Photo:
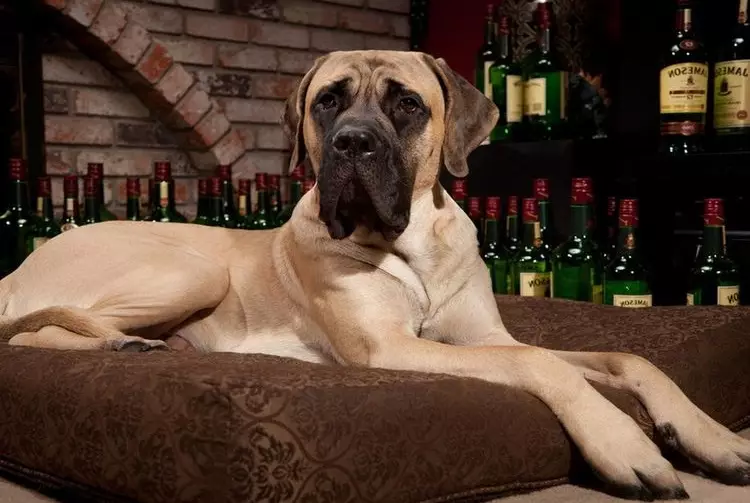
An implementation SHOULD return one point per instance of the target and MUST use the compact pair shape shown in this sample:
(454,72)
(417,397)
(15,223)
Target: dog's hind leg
(682,425)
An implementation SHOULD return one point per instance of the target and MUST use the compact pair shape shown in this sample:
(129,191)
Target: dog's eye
(327,101)
(408,105)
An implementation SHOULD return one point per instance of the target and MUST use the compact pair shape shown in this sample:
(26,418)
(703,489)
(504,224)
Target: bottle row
(609,269)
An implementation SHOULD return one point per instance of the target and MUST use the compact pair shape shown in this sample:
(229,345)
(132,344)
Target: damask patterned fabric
(156,427)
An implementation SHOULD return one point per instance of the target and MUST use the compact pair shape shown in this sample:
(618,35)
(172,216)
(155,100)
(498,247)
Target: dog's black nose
(355,141)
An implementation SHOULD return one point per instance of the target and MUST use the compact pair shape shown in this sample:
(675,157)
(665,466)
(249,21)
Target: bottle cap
(530,210)
(202,187)
(44,186)
(458,188)
(307,185)
(260,181)
(18,170)
(492,208)
(581,191)
(274,181)
(298,173)
(503,25)
(90,186)
(133,185)
(223,171)
(541,189)
(513,206)
(96,169)
(162,171)
(628,213)
(543,15)
(713,211)
(474,207)
(215,183)
(243,186)
(70,185)
(490,10)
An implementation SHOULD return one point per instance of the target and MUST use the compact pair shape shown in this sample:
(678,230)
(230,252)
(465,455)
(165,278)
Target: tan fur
(422,302)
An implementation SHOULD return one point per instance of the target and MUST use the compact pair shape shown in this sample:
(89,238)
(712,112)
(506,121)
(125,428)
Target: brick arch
(104,31)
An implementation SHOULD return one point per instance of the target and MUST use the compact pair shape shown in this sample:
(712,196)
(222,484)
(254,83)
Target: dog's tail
(72,319)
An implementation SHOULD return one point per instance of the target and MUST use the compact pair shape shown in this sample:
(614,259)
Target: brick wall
(248,55)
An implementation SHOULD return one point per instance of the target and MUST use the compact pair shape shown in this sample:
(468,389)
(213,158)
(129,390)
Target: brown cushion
(243,428)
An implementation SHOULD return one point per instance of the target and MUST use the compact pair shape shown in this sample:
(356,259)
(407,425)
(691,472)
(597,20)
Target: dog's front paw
(138,345)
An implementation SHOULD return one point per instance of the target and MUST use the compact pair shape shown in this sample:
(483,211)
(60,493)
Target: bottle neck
(164,195)
(44,208)
(626,241)
(532,234)
(544,40)
(295,192)
(243,200)
(134,208)
(18,196)
(70,207)
(491,234)
(228,196)
(714,240)
(511,227)
(216,206)
(544,215)
(684,21)
(100,192)
(262,202)
(580,216)
(489,33)
(503,46)
(91,207)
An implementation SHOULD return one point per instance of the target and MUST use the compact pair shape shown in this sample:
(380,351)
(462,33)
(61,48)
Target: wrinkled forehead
(370,73)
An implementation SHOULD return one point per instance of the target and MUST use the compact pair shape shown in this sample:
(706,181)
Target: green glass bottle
(507,87)
(71,217)
(261,217)
(576,266)
(202,213)
(91,211)
(715,279)
(44,226)
(458,192)
(224,172)
(512,242)
(626,277)
(541,193)
(133,194)
(96,170)
(16,221)
(162,196)
(244,213)
(475,214)
(295,194)
(494,253)
(487,54)
(545,85)
(275,202)
(151,203)
(216,203)
(608,243)
(531,267)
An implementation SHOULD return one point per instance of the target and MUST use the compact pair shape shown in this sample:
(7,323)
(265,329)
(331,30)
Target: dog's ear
(469,116)
(294,116)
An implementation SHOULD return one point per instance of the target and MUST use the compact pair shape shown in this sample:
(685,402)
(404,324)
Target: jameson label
(163,194)
(242,205)
(732,94)
(38,242)
(690,301)
(514,98)
(535,97)
(683,88)
(728,295)
(535,284)
(632,300)
(597,294)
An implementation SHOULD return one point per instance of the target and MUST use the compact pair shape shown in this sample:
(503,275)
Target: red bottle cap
(96,169)
(611,206)
(260,181)
(503,25)
(581,191)
(44,186)
(543,15)
(162,171)
(530,210)
(513,206)
(274,181)
(243,186)
(458,188)
(133,186)
(490,10)
(713,211)
(70,185)
(223,171)
(628,213)
(215,183)
(298,173)
(202,187)
(474,207)
(90,186)
(18,169)
(541,189)
(492,208)
(307,185)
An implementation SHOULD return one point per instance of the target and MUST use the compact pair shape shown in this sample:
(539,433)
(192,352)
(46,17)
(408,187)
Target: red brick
(260,111)
(56,100)
(132,43)
(247,58)
(271,138)
(212,127)
(109,23)
(59,162)
(273,86)
(298,62)
(244,168)
(198,4)
(77,130)
(175,83)
(265,33)
(192,107)
(225,84)
(305,12)
(155,19)
(77,71)
(229,148)
(401,6)
(155,63)
(328,40)
(364,20)
(219,27)
(84,11)
(192,51)
(90,101)
(57,4)
(184,191)
(247,135)
(400,26)
(133,162)
(265,9)
(270,162)
(144,134)
(386,43)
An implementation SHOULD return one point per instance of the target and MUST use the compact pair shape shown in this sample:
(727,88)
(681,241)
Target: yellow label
(742,16)
(728,295)
(535,284)
(242,205)
(732,94)
(514,98)
(163,194)
(38,242)
(70,205)
(690,300)
(683,88)
(597,294)
(535,97)
(487,82)
(40,206)
(632,300)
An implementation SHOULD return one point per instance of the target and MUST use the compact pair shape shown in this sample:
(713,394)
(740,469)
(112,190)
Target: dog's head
(376,126)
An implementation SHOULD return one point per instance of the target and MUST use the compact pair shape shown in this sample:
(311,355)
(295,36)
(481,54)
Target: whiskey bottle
(715,279)
(96,170)
(531,266)
(541,193)
(133,190)
(609,242)
(545,85)
(512,243)
(295,194)
(224,172)
(487,54)
(274,197)
(626,277)
(16,221)
(216,205)
(91,211)
(261,216)
(244,218)
(683,88)
(475,214)
(458,192)
(44,226)
(71,210)
(731,87)
(494,254)
(507,87)
(162,196)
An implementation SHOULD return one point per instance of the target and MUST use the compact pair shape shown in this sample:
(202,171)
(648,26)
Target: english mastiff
(377,267)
